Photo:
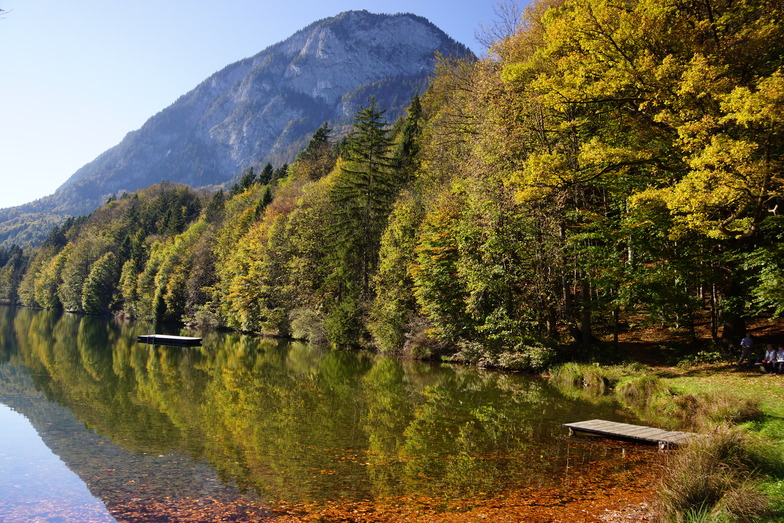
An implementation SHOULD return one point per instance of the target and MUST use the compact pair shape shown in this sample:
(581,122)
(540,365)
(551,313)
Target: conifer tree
(364,193)
(407,148)
(319,157)
(266,174)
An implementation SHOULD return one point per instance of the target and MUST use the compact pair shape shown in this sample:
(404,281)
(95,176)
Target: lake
(95,426)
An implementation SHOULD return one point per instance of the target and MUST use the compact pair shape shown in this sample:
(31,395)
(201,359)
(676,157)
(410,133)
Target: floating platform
(637,433)
(165,339)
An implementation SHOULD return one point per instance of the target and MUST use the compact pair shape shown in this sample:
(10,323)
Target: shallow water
(255,427)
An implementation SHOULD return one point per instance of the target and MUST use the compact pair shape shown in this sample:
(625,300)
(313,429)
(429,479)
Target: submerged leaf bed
(595,490)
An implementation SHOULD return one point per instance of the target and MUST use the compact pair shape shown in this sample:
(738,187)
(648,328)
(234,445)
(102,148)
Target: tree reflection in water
(294,425)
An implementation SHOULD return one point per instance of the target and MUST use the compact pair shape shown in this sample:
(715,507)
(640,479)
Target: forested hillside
(606,161)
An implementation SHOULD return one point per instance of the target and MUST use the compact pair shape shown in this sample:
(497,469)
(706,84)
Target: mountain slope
(261,109)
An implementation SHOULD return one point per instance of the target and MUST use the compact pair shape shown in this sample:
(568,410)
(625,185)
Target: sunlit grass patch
(774,489)
(766,389)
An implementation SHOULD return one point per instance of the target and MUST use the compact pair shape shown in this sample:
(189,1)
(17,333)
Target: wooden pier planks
(165,339)
(611,429)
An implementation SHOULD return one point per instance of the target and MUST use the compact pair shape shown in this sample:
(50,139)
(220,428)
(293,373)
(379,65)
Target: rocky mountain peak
(264,108)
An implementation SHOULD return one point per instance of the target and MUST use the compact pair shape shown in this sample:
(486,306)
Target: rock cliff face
(263,109)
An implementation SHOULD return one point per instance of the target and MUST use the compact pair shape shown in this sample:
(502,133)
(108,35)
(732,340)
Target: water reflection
(287,423)
(28,469)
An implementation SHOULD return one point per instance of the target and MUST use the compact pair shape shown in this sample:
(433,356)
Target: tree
(13,262)
(266,174)
(100,285)
(280,173)
(215,208)
(394,304)
(651,106)
(48,280)
(363,194)
(406,154)
(437,286)
(318,158)
(509,17)
(245,182)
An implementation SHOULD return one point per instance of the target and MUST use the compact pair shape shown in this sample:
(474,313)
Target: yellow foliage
(763,106)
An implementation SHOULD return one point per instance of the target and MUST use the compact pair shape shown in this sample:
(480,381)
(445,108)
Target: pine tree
(364,193)
(319,157)
(266,174)
(407,147)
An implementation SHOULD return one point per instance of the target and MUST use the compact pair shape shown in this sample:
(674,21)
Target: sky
(76,77)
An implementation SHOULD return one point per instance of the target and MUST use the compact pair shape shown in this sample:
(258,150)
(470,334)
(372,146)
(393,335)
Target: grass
(767,389)
(718,478)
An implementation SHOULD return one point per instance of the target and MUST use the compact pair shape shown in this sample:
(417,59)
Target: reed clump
(582,376)
(642,391)
(716,477)
(706,411)
(596,379)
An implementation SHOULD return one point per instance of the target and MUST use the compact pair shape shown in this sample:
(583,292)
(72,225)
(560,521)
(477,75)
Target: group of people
(772,361)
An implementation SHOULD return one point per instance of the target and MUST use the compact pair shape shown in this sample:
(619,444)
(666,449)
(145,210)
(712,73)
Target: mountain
(258,110)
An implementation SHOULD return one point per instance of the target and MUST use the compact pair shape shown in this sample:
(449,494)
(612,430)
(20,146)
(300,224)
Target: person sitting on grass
(769,361)
(779,367)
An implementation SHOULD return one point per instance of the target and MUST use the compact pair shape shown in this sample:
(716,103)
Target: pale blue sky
(75,77)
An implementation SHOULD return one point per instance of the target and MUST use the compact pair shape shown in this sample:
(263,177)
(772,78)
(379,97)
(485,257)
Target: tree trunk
(585,320)
(616,313)
(734,328)
(714,314)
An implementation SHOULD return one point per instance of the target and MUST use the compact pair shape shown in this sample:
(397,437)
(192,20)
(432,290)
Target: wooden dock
(165,339)
(623,431)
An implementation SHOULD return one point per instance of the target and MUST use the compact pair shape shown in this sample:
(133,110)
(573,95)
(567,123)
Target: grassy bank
(735,474)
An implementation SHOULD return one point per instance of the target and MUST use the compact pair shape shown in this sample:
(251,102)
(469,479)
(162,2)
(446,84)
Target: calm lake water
(95,426)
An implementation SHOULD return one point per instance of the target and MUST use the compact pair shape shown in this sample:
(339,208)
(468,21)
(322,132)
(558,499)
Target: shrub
(702,358)
(528,355)
(711,409)
(420,344)
(711,479)
(307,324)
(204,318)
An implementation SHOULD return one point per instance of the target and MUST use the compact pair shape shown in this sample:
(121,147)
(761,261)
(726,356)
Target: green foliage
(48,280)
(307,324)
(408,145)
(319,157)
(436,281)
(100,285)
(361,197)
(13,262)
(344,322)
(528,355)
(394,304)
(606,161)
(701,358)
